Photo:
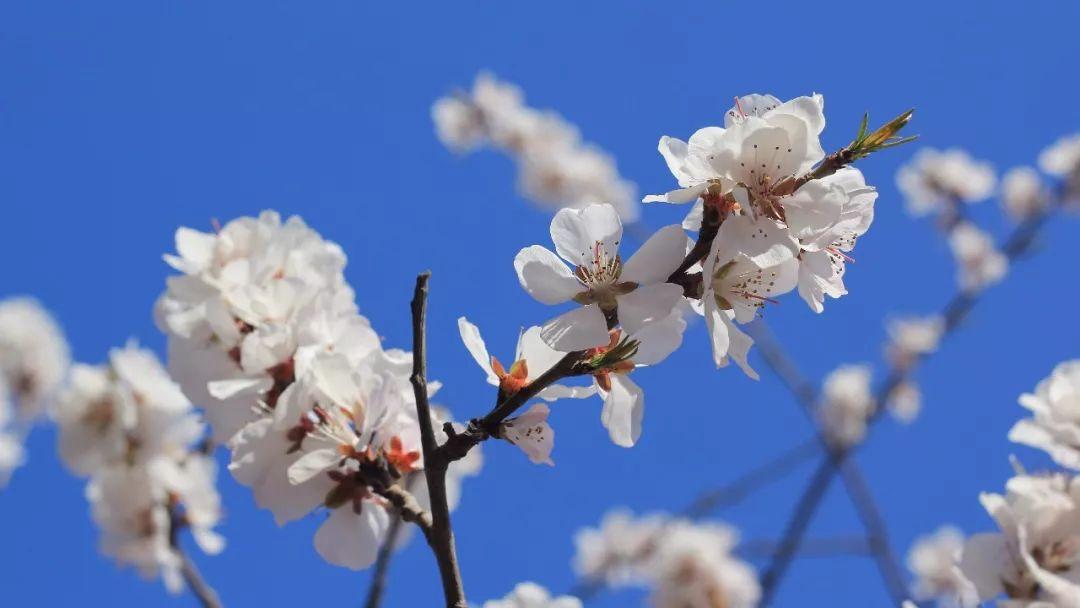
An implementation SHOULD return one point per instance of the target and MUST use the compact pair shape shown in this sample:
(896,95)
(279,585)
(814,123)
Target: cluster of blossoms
(946,182)
(686,564)
(1034,560)
(555,167)
(34,361)
(128,427)
(771,217)
(264,332)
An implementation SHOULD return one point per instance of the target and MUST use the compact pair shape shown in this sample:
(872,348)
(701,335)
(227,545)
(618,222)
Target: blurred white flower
(905,401)
(555,167)
(618,551)
(531,595)
(34,355)
(588,239)
(1023,193)
(935,180)
(846,404)
(12,455)
(1055,423)
(128,411)
(980,263)
(912,337)
(934,560)
(694,568)
(1062,158)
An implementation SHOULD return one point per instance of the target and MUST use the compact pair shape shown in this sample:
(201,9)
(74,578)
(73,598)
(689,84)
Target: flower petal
(647,304)
(311,464)
(474,343)
(545,276)
(624,407)
(350,539)
(577,232)
(579,329)
(659,339)
(658,257)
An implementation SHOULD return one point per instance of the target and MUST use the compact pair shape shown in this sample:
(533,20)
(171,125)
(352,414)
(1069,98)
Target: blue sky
(120,121)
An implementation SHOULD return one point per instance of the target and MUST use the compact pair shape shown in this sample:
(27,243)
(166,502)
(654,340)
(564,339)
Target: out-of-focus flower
(531,595)
(934,560)
(1062,159)
(912,337)
(618,551)
(12,455)
(980,263)
(934,180)
(1023,193)
(1055,423)
(34,355)
(555,167)
(905,402)
(847,403)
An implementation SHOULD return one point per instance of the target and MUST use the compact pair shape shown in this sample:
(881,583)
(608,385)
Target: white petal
(680,196)
(577,232)
(658,257)
(647,304)
(531,432)
(352,540)
(537,354)
(545,276)
(560,391)
(693,219)
(474,343)
(311,464)
(582,328)
(624,407)
(225,389)
(659,339)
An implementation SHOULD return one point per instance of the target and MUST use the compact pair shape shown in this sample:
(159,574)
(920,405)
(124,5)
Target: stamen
(738,106)
(836,251)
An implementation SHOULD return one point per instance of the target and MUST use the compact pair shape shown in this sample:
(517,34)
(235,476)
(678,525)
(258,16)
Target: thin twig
(208,598)
(806,395)
(954,312)
(811,547)
(441,537)
(382,563)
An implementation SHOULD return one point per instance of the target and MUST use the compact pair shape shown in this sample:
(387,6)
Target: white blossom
(1034,557)
(847,403)
(12,454)
(34,355)
(934,559)
(618,551)
(762,142)
(532,433)
(694,568)
(905,401)
(1062,159)
(934,180)
(980,263)
(913,337)
(128,411)
(555,167)
(1022,193)
(687,564)
(749,264)
(531,595)
(1055,423)
(588,240)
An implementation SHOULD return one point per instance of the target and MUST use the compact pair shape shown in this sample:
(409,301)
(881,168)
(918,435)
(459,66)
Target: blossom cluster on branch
(265,334)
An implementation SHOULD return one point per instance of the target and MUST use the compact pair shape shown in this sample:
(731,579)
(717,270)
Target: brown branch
(441,536)
(208,598)
(806,395)
(954,312)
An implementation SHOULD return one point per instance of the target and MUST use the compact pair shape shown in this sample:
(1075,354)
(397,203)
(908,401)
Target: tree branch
(441,536)
(954,312)
(382,563)
(806,395)
(208,598)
